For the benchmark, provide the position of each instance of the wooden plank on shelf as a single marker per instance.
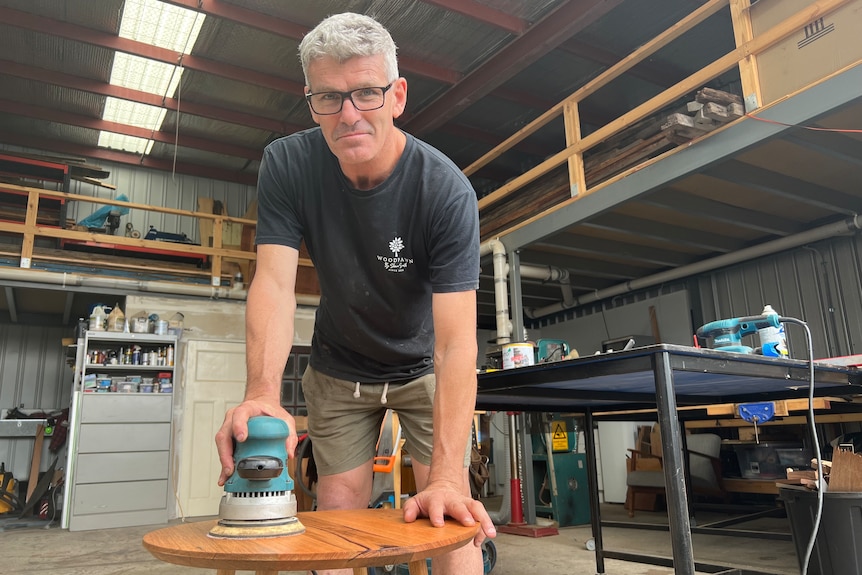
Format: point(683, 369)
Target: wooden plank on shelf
point(94, 181)
point(739, 485)
point(782, 407)
point(707, 94)
point(791, 420)
point(105, 261)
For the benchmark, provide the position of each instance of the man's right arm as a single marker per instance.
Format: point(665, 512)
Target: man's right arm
point(270, 312)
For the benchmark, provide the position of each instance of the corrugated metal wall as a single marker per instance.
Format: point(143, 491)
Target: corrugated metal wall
point(819, 284)
point(33, 373)
point(157, 188)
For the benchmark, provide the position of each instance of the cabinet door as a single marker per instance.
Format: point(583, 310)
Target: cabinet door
point(213, 381)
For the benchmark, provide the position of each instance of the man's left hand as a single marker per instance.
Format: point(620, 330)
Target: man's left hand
point(438, 500)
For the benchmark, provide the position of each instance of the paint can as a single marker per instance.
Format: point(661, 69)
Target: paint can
point(517, 355)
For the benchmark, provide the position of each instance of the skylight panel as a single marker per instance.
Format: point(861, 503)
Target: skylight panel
point(162, 25)
point(145, 75)
point(133, 113)
point(125, 143)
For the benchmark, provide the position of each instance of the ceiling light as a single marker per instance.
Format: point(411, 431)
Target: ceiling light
point(115, 141)
point(159, 24)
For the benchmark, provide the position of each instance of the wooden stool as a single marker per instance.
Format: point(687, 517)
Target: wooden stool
point(354, 539)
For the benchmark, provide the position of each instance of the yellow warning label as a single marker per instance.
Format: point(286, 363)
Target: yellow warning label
point(559, 438)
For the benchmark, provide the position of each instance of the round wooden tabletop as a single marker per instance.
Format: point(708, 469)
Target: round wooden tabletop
point(332, 540)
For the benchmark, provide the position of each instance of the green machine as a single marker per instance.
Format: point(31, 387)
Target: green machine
point(560, 484)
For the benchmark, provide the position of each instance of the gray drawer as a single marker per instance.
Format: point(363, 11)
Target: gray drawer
point(111, 467)
point(116, 497)
point(125, 437)
point(125, 407)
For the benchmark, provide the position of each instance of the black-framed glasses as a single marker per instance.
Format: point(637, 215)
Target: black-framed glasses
point(363, 99)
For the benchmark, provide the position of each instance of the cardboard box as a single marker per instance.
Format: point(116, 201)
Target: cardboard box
point(811, 53)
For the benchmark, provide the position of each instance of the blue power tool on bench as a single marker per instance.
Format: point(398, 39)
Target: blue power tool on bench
point(727, 334)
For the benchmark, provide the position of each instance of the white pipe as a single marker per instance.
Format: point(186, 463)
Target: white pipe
point(823, 232)
point(129, 285)
point(501, 293)
point(551, 274)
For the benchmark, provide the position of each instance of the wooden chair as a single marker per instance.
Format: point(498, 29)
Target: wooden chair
point(704, 466)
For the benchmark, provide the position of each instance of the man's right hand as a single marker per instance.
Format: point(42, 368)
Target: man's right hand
point(235, 426)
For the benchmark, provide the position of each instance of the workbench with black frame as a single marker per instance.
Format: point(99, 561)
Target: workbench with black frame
point(663, 377)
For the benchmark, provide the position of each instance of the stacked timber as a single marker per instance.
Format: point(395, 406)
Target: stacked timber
point(709, 110)
point(661, 132)
point(665, 130)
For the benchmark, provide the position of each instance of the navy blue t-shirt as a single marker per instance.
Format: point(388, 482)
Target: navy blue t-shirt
point(379, 254)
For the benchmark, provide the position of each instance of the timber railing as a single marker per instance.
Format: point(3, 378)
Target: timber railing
point(744, 55)
point(30, 230)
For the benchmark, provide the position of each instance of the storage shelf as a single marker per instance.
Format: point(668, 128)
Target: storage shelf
point(119, 336)
point(123, 393)
point(128, 367)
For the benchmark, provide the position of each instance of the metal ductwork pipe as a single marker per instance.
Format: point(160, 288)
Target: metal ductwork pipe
point(817, 234)
point(133, 286)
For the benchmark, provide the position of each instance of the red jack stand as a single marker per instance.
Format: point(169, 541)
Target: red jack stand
point(517, 526)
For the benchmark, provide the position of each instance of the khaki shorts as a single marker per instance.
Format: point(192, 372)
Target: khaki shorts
point(344, 429)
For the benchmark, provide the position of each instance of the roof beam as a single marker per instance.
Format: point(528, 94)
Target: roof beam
point(59, 116)
point(92, 37)
point(109, 90)
point(288, 29)
point(484, 14)
point(541, 38)
point(10, 68)
point(197, 170)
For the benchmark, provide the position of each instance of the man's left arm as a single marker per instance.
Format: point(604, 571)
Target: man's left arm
point(455, 349)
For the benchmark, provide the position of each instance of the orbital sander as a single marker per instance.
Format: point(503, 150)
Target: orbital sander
point(727, 334)
point(259, 500)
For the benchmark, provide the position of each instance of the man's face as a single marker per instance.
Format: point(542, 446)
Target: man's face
point(357, 138)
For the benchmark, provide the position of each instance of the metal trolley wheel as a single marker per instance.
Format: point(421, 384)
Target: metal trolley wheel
point(489, 556)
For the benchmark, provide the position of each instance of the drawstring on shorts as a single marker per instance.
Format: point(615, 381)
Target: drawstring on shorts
point(383, 399)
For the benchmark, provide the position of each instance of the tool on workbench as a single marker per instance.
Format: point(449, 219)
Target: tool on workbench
point(259, 499)
point(727, 334)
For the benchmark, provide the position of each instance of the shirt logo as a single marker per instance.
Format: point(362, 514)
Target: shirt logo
point(395, 263)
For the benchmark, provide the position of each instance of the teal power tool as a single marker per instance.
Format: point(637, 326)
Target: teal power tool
point(726, 334)
point(259, 499)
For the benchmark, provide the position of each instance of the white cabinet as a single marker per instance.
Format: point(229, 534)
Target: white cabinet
point(120, 442)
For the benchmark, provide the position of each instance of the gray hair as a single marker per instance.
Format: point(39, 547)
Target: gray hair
point(347, 35)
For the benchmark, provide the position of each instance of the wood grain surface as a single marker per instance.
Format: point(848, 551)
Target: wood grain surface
point(332, 540)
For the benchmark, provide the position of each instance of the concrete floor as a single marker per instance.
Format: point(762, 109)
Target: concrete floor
point(52, 551)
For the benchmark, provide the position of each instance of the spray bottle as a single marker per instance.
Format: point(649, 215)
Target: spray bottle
point(773, 342)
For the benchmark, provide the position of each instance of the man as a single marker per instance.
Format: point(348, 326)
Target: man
point(392, 228)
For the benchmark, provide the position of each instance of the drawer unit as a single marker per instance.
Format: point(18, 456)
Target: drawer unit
point(120, 451)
